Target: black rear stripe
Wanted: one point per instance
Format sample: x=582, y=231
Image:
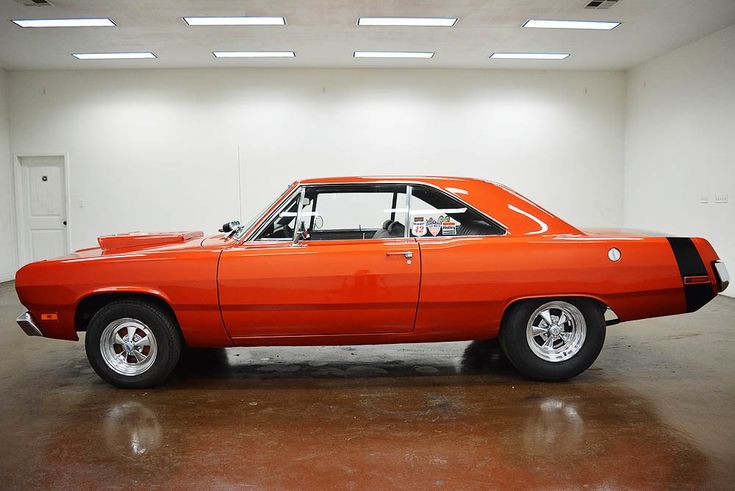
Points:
x=690, y=264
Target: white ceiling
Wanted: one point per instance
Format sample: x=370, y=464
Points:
x=323, y=33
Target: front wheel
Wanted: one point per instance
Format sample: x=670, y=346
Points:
x=132, y=344
x=553, y=339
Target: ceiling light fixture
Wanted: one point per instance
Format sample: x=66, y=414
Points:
x=571, y=24
x=235, y=21
x=529, y=56
x=113, y=56
x=407, y=21
x=254, y=54
x=393, y=54
x=100, y=22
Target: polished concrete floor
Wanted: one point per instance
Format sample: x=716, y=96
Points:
x=656, y=411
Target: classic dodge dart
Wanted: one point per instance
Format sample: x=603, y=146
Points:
x=359, y=260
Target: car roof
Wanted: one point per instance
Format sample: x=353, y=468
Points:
x=440, y=181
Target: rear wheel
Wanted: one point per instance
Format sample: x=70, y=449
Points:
x=553, y=339
x=133, y=344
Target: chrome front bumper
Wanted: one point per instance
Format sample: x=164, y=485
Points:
x=25, y=321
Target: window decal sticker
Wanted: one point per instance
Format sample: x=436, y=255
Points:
x=449, y=228
x=418, y=226
x=433, y=227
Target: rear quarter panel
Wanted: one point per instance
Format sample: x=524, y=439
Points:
x=468, y=283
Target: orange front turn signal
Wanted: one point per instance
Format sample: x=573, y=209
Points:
x=49, y=316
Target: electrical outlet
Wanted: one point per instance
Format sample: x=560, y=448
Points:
x=721, y=198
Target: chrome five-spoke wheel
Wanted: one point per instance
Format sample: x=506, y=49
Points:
x=556, y=331
x=133, y=344
x=128, y=346
x=553, y=339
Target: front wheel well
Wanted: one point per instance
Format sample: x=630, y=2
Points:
x=90, y=305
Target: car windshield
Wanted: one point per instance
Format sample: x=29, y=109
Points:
x=239, y=233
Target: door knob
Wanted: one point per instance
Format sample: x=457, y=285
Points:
x=406, y=254
x=64, y=222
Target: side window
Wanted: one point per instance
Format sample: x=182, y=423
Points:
x=375, y=211
x=436, y=214
x=355, y=212
x=281, y=226
x=349, y=211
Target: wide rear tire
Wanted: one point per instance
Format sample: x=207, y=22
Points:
x=553, y=339
x=133, y=344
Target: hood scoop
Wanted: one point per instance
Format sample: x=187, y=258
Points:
x=142, y=240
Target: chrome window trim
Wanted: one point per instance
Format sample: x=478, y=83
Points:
x=297, y=225
x=409, y=187
x=407, y=231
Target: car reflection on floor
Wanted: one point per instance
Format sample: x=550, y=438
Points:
x=296, y=418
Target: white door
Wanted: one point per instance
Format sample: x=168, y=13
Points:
x=43, y=208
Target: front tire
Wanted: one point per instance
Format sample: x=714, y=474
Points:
x=553, y=339
x=133, y=344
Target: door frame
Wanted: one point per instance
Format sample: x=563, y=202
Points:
x=20, y=221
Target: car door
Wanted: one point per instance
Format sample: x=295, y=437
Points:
x=463, y=263
x=329, y=284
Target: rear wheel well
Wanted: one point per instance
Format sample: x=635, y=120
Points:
x=90, y=305
x=600, y=304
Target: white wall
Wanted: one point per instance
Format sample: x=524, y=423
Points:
x=680, y=143
x=162, y=149
x=8, y=247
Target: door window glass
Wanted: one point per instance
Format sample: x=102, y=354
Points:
x=375, y=211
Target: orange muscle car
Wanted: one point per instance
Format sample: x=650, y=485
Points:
x=359, y=260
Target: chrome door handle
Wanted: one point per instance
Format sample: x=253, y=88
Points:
x=406, y=254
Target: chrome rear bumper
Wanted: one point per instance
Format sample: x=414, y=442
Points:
x=25, y=321
x=723, y=278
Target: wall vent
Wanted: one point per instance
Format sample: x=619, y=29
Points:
x=600, y=4
x=34, y=3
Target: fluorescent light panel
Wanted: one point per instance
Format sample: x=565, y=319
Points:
x=113, y=56
x=529, y=56
x=254, y=54
x=571, y=24
x=407, y=21
x=235, y=21
x=393, y=54
x=100, y=22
